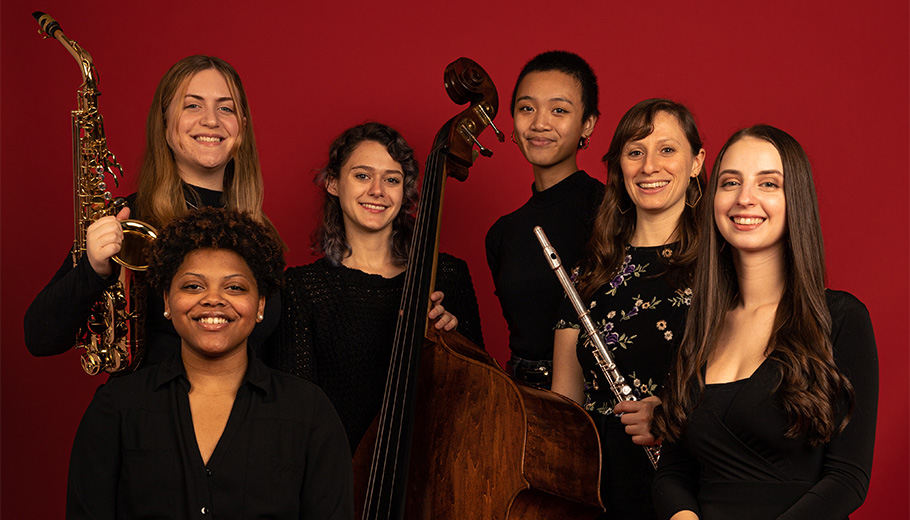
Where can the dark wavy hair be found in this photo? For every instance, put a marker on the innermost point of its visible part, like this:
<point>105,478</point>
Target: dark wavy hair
<point>217,228</point>
<point>800,345</point>
<point>568,63</point>
<point>614,222</point>
<point>329,238</point>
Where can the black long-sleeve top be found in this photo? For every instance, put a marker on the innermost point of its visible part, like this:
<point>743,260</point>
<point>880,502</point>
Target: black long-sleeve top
<point>55,316</point>
<point>282,454</point>
<point>734,461</point>
<point>337,329</point>
<point>529,293</point>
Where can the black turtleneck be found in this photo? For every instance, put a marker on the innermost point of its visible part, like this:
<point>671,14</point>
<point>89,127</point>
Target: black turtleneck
<point>528,290</point>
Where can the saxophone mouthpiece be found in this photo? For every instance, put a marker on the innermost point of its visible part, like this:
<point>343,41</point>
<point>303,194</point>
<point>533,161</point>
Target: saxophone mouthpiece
<point>48,24</point>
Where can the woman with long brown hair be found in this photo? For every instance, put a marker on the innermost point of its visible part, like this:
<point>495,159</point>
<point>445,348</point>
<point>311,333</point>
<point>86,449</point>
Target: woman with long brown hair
<point>635,275</point>
<point>200,151</point>
<point>770,406</point>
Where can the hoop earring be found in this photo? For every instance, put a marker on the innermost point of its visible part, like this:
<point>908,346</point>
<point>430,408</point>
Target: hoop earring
<point>513,137</point>
<point>584,142</point>
<point>697,199</point>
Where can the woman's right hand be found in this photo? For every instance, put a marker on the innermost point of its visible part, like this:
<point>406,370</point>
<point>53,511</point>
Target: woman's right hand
<point>103,240</point>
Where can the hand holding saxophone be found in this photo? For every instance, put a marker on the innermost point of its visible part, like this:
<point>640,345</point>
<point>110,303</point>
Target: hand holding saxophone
<point>636,416</point>
<point>103,239</point>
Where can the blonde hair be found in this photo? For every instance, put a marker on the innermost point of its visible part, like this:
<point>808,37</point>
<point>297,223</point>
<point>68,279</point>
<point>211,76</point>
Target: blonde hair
<point>160,197</point>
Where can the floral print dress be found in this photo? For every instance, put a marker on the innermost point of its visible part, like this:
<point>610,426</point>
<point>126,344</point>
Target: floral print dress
<point>641,318</point>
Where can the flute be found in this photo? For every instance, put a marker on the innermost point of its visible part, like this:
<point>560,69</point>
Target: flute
<point>604,359</point>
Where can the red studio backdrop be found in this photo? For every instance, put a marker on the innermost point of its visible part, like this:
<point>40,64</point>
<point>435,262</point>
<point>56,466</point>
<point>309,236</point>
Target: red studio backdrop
<point>833,74</point>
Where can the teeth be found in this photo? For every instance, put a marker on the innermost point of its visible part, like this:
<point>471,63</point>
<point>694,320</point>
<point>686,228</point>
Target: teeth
<point>747,221</point>
<point>212,321</point>
<point>657,184</point>
<point>372,206</point>
<point>207,139</point>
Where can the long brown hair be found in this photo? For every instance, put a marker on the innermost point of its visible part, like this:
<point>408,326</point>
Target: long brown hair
<point>614,222</point>
<point>800,344</point>
<point>330,238</point>
<point>160,196</point>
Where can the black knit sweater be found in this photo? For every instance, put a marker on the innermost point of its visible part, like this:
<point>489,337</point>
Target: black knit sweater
<point>338,325</point>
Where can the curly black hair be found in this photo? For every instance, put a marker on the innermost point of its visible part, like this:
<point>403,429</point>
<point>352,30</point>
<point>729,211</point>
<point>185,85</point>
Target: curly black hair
<point>217,228</point>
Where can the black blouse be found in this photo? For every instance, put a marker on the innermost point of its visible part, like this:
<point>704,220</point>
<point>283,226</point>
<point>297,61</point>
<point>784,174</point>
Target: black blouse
<point>282,453</point>
<point>735,462</point>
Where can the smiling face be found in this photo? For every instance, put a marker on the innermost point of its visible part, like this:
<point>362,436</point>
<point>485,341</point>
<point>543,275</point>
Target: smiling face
<point>369,189</point>
<point>749,206</point>
<point>549,120</point>
<point>656,169</point>
<point>203,129</point>
<point>214,303</point>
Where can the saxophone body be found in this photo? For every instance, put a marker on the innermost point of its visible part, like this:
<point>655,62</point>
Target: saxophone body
<point>112,337</point>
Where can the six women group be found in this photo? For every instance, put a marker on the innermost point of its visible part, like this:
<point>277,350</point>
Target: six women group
<point>759,383</point>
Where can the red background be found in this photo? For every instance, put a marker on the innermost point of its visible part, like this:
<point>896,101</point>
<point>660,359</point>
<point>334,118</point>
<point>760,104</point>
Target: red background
<point>833,74</point>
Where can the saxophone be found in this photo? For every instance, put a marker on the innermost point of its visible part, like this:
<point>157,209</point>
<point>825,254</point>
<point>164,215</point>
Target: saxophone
<point>112,337</point>
<point>617,382</point>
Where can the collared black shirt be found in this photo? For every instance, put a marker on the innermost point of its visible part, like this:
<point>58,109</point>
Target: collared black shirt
<point>283,453</point>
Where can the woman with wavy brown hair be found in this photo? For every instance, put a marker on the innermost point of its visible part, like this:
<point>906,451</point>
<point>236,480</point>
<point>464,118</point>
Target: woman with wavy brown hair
<point>200,151</point>
<point>339,313</point>
<point>636,276</point>
<point>770,406</point>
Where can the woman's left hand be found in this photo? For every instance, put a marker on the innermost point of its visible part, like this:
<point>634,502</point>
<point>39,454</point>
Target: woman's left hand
<point>636,415</point>
<point>446,320</point>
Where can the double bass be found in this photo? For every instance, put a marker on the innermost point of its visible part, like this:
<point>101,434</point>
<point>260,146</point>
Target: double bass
<point>456,437</point>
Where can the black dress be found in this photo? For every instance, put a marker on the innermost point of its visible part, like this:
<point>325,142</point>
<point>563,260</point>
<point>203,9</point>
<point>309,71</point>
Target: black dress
<point>338,326</point>
<point>282,453</point>
<point>734,461</point>
<point>58,312</point>
<point>528,291</point>
<point>642,317</point>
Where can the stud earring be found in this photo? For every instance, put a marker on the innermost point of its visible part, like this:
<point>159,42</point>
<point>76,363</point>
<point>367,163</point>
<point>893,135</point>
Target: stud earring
<point>260,318</point>
<point>167,315</point>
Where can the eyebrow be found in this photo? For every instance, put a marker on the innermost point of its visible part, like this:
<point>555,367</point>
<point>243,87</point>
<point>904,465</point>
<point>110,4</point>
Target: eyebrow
<point>200,275</point>
<point>372,169</point>
<point>200,98</point>
<point>557,98</point>
<point>763,172</point>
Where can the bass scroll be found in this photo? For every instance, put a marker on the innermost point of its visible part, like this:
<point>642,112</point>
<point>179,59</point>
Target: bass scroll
<point>112,337</point>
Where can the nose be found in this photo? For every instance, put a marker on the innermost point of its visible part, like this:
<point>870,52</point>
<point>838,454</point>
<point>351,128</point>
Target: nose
<point>650,164</point>
<point>745,197</point>
<point>213,297</point>
<point>541,121</point>
<point>376,187</point>
<point>209,118</point>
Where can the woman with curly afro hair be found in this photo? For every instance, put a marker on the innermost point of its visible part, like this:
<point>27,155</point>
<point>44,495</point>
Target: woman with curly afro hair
<point>211,429</point>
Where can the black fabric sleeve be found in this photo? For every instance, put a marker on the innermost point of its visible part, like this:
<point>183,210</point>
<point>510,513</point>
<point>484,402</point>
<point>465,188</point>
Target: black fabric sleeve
<point>675,486</point>
<point>491,243</point>
<point>453,278</point>
<point>848,457</point>
<point>290,347</point>
<point>328,481</point>
<point>95,461</point>
<point>54,317</point>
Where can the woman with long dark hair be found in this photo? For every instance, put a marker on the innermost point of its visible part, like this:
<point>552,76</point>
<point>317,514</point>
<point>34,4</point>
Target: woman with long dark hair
<point>339,313</point>
<point>770,406</point>
<point>635,276</point>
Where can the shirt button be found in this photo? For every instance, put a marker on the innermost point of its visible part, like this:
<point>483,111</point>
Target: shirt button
<point>204,510</point>
<point>208,472</point>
